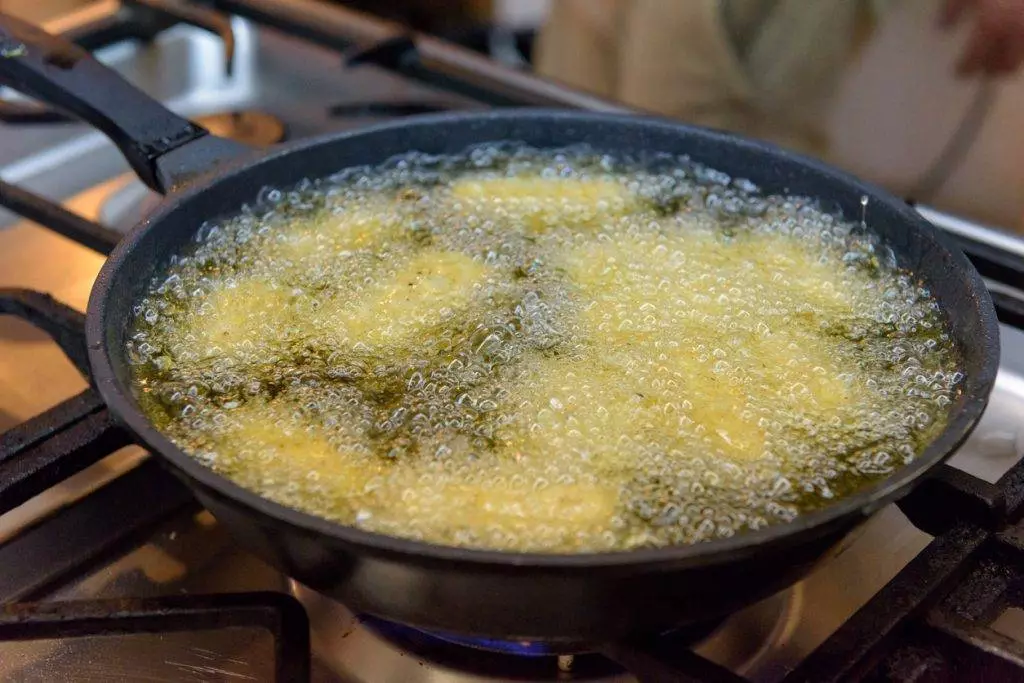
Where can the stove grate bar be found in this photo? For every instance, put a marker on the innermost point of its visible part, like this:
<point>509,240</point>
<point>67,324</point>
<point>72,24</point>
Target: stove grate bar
<point>133,19</point>
<point>34,431</point>
<point>60,322</point>
<point>981,639</point>
<point>991,261</point>
<point>1012,486</point>
<point>64,440</point>
<point>425,58</point>
<point>952,496</point>
<point>931,655</point>
<point>957,639</point>
<point>401,56</point>
<point>71,445</point>
<point>863,640</point>
<point>277,613</point>
<point>139,500</point>
<point>52,215</point>
<point>21,114</point>
<point>937,620</point>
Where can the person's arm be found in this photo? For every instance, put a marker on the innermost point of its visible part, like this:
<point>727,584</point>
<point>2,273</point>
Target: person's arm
<point>579,44</point>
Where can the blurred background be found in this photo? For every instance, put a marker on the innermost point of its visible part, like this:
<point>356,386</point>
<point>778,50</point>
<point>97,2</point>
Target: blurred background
<point>900,117</point>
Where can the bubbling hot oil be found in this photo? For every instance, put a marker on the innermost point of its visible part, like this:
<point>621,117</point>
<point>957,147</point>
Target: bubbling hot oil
<point>542,351</point>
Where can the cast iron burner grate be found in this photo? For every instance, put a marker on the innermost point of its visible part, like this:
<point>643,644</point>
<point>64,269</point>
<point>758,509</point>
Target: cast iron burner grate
<point>279,614</point>
<point>938,620</point>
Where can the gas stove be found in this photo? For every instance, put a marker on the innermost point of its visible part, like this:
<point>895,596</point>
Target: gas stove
<point>110,571</point>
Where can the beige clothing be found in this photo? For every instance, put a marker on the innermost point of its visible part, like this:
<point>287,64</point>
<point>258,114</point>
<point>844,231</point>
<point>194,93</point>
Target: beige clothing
<point>765,68</point>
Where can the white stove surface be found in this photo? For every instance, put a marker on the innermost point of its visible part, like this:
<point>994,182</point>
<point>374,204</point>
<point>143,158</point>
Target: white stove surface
<point>191,554</point>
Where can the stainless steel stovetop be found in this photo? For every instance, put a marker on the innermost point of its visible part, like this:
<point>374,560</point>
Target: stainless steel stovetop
<point>299,84</point>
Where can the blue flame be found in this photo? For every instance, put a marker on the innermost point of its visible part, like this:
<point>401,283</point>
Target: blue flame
<point>401,632</point>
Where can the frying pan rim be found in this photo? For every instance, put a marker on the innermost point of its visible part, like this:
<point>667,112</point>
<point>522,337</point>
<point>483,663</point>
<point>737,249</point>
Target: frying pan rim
<point>123,406</point>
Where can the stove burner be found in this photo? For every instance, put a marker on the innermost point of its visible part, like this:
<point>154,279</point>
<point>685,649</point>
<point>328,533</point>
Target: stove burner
<point>248,127</point>
<point>489,657</point>
<point>342,639</point>
<point>402,634</point>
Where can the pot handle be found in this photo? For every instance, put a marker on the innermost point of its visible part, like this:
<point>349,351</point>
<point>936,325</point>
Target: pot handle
<point>164,149</point>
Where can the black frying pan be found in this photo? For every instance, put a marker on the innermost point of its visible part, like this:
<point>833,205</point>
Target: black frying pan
<point>586,597</point>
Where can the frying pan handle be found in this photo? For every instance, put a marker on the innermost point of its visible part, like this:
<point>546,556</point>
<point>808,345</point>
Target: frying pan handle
<point>153,139</point>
